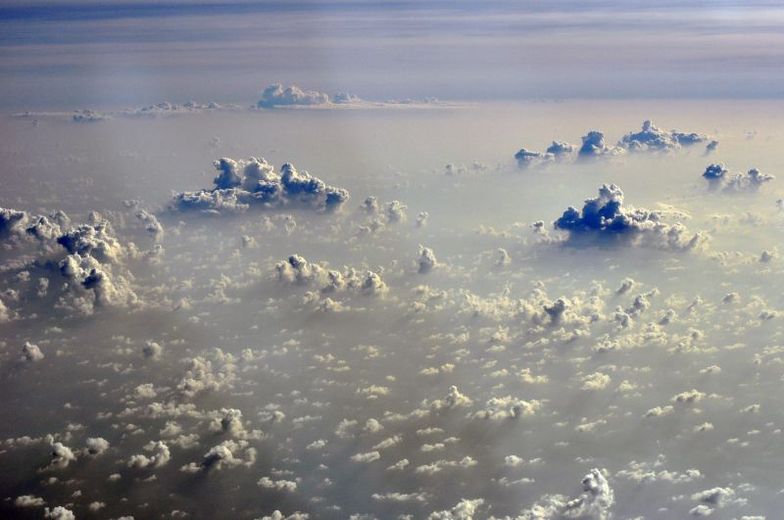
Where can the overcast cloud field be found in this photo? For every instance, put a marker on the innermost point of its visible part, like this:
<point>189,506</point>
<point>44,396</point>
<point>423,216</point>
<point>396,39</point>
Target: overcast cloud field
<point>391,260</point>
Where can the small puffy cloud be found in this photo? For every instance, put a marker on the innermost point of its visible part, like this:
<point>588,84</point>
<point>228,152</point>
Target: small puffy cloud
<point>88,116</point>
<point>453,399</point>
<point>596,381</point>
<point>160,456</point>
<point>426,261</point>
<point>96,445</point>
<point>719,178</point>
<point>557,151</point>
<point>228,454</point>
<point>366,457</point>
<point>152,350</point>
<point>527,158</point>
<point>714,497</point>
<point>31,352</point>
<point>594,503</point>
<point>61,456</point>
<point>277,515</point>
<point>297,270</point>
<point>277,485</point>
<point>463,510</point>
<point>59,513</point>
<point>560,149</point>
<point>29,501</point>
<point>508,407</point>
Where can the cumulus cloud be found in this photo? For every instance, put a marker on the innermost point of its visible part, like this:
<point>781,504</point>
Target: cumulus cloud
<point>254,182</point>
<point>464,510</point>
<point>160,456</point>
<point>226,455</point>
<point>96,446</point>
<point>29,501</point>
<point>508,407</point>
<point>453,399</point>
<point>90,257</point>
<point>594,503</point>
<point>557,151</point>
<point>297,270</point>
<point>426,261</point>
<point>594,145</point>
<point>651,138</point>
<point>719,178</point>
<point>31,352</point>
<point>277,95</point>
<point>61,456</point>
<point>59,513</point>
<point>605,218</point>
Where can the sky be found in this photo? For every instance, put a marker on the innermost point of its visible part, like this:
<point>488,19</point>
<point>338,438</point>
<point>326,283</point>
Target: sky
<point>392,260</point>
<point>67,54</point>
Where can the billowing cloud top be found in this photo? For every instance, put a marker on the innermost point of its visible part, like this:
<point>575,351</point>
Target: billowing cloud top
<point>605,217</point>
<point>254,182</point>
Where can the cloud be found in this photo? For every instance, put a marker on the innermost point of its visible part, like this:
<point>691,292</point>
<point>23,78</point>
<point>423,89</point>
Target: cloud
<point>277,485</point>
<point>653,139</point>
<point>277,95</point>
<point>453,399</point>
<point>426,261</point>
<point>604,218</point>
<point>557,151</point>
<point>527,158</point>
<point>59,513</point>
<point>242,184</point>
<point>508,407</point>
<point>463,510</point>
<point>277,515</point>
<point>594,503</point>
<point>96,446</point>
<point>88,116</point>
<point>297,270</point>
<point>226,455</point>
<point>61,456</point>
<point>29,501</point>
<point>161,455</point>
<point>719,178</point>
<point>31,352</point>
<point>594,145</point>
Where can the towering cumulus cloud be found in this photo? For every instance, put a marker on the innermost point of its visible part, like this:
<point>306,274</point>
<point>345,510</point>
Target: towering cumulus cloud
<point>605,219</point>
<point>254,182</point>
